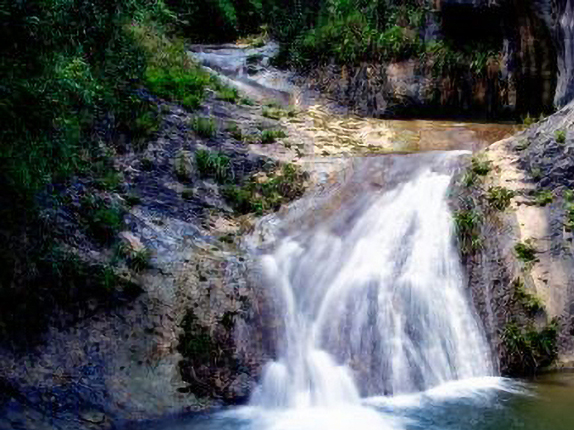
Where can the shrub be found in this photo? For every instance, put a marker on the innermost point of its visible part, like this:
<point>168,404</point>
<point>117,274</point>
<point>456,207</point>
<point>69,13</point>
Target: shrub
<point>204,127</point>
<point>525,251</point>
<point>214,165</point>
<point>273,113</point>
<point>170,72</point>
<point>499,197</point>
<point>529,350</point>
<point>560,136</point>
<point>270,136</point>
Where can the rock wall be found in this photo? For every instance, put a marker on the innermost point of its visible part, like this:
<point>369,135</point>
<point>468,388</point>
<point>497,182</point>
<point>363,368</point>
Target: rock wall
<point>537,167</point>
<point>532,75</point>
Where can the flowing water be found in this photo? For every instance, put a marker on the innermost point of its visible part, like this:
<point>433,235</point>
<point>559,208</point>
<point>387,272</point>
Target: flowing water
<point>377,329</point>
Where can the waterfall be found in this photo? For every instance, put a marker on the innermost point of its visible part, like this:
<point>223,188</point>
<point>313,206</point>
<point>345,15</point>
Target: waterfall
<point>372,295</point>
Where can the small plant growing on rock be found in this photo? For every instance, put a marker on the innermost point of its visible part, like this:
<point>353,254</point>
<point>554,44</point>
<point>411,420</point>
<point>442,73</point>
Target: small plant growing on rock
<point>235,131</point>
<point>103,219</point>
<point>499,197</point>
<point>480,165</point>
<point>544,197</point>
<point>139,259</point>
<point>228,94</point>
<point>536,173</point>
<point>525,251</point>
<point>204,127</point>
<point>529,350</point>
<point>270,136</point>
<point>529,301</point>
<point>467,223</point>
<point>522,145</point>
<point>214,165</point>
<point>528,120</point>
<point>560,136</point>
<point>273,113</point>
<point>264,195</point>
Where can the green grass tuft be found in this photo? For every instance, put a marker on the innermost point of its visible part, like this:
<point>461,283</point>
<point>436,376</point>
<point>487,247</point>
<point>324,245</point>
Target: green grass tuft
<point>215,165</point>
<point>499,197</point>
<point>204,127</point>
<point>270,136</point>
<point>525,251</point>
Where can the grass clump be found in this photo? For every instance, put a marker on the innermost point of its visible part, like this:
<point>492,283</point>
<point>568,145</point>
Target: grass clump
<point>103,219</point>
<point>270,136</point>
<point>204,127</point>
<point>480,166</point>
<point>215,165</point>
<point>467,223</point>
<point>261,196</point>
<point>170,72</point>
<point>228,94</point>
<point>528,350</point>
<point>560,136</point>
<point>528,120</point>
<point>544,197</point>
<point>499,197</point>
<point>273,113</point>
<point>525,251</point>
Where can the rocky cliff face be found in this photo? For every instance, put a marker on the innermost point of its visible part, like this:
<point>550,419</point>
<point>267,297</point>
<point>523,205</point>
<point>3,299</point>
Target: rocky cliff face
<point>520,214</point>
<point>532,72</point>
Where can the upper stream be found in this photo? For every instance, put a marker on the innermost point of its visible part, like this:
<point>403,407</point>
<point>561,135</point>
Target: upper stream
<point>377,329</point>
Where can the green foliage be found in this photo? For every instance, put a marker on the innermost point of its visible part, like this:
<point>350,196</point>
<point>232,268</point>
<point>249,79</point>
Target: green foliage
<point>479,165</point>
<point>204,127</point>
<point>261,196</point>
<point>273,113</point>
<point>525,251</point>
<point>139,259</point>
<point>528,349</point>
<point>467,223</point>
<point>228,94</point>
<point>270,136</point>
<point>235,131</point>
<point>529,301</point>
<point>214,165</point>
<point>170,73</point>
<point>560,136</point>
<point>217,20</point>
<point>528,120</point>
<point>536,173</point>
<point>499,197</point>
<point>544,197</point>
<point>103,219</point>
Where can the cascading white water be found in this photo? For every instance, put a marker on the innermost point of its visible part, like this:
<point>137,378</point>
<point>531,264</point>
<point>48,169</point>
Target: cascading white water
<point>373,297</point>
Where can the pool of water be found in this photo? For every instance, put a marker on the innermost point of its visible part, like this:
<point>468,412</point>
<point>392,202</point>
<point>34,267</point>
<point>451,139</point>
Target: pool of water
<point>480,404</point>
